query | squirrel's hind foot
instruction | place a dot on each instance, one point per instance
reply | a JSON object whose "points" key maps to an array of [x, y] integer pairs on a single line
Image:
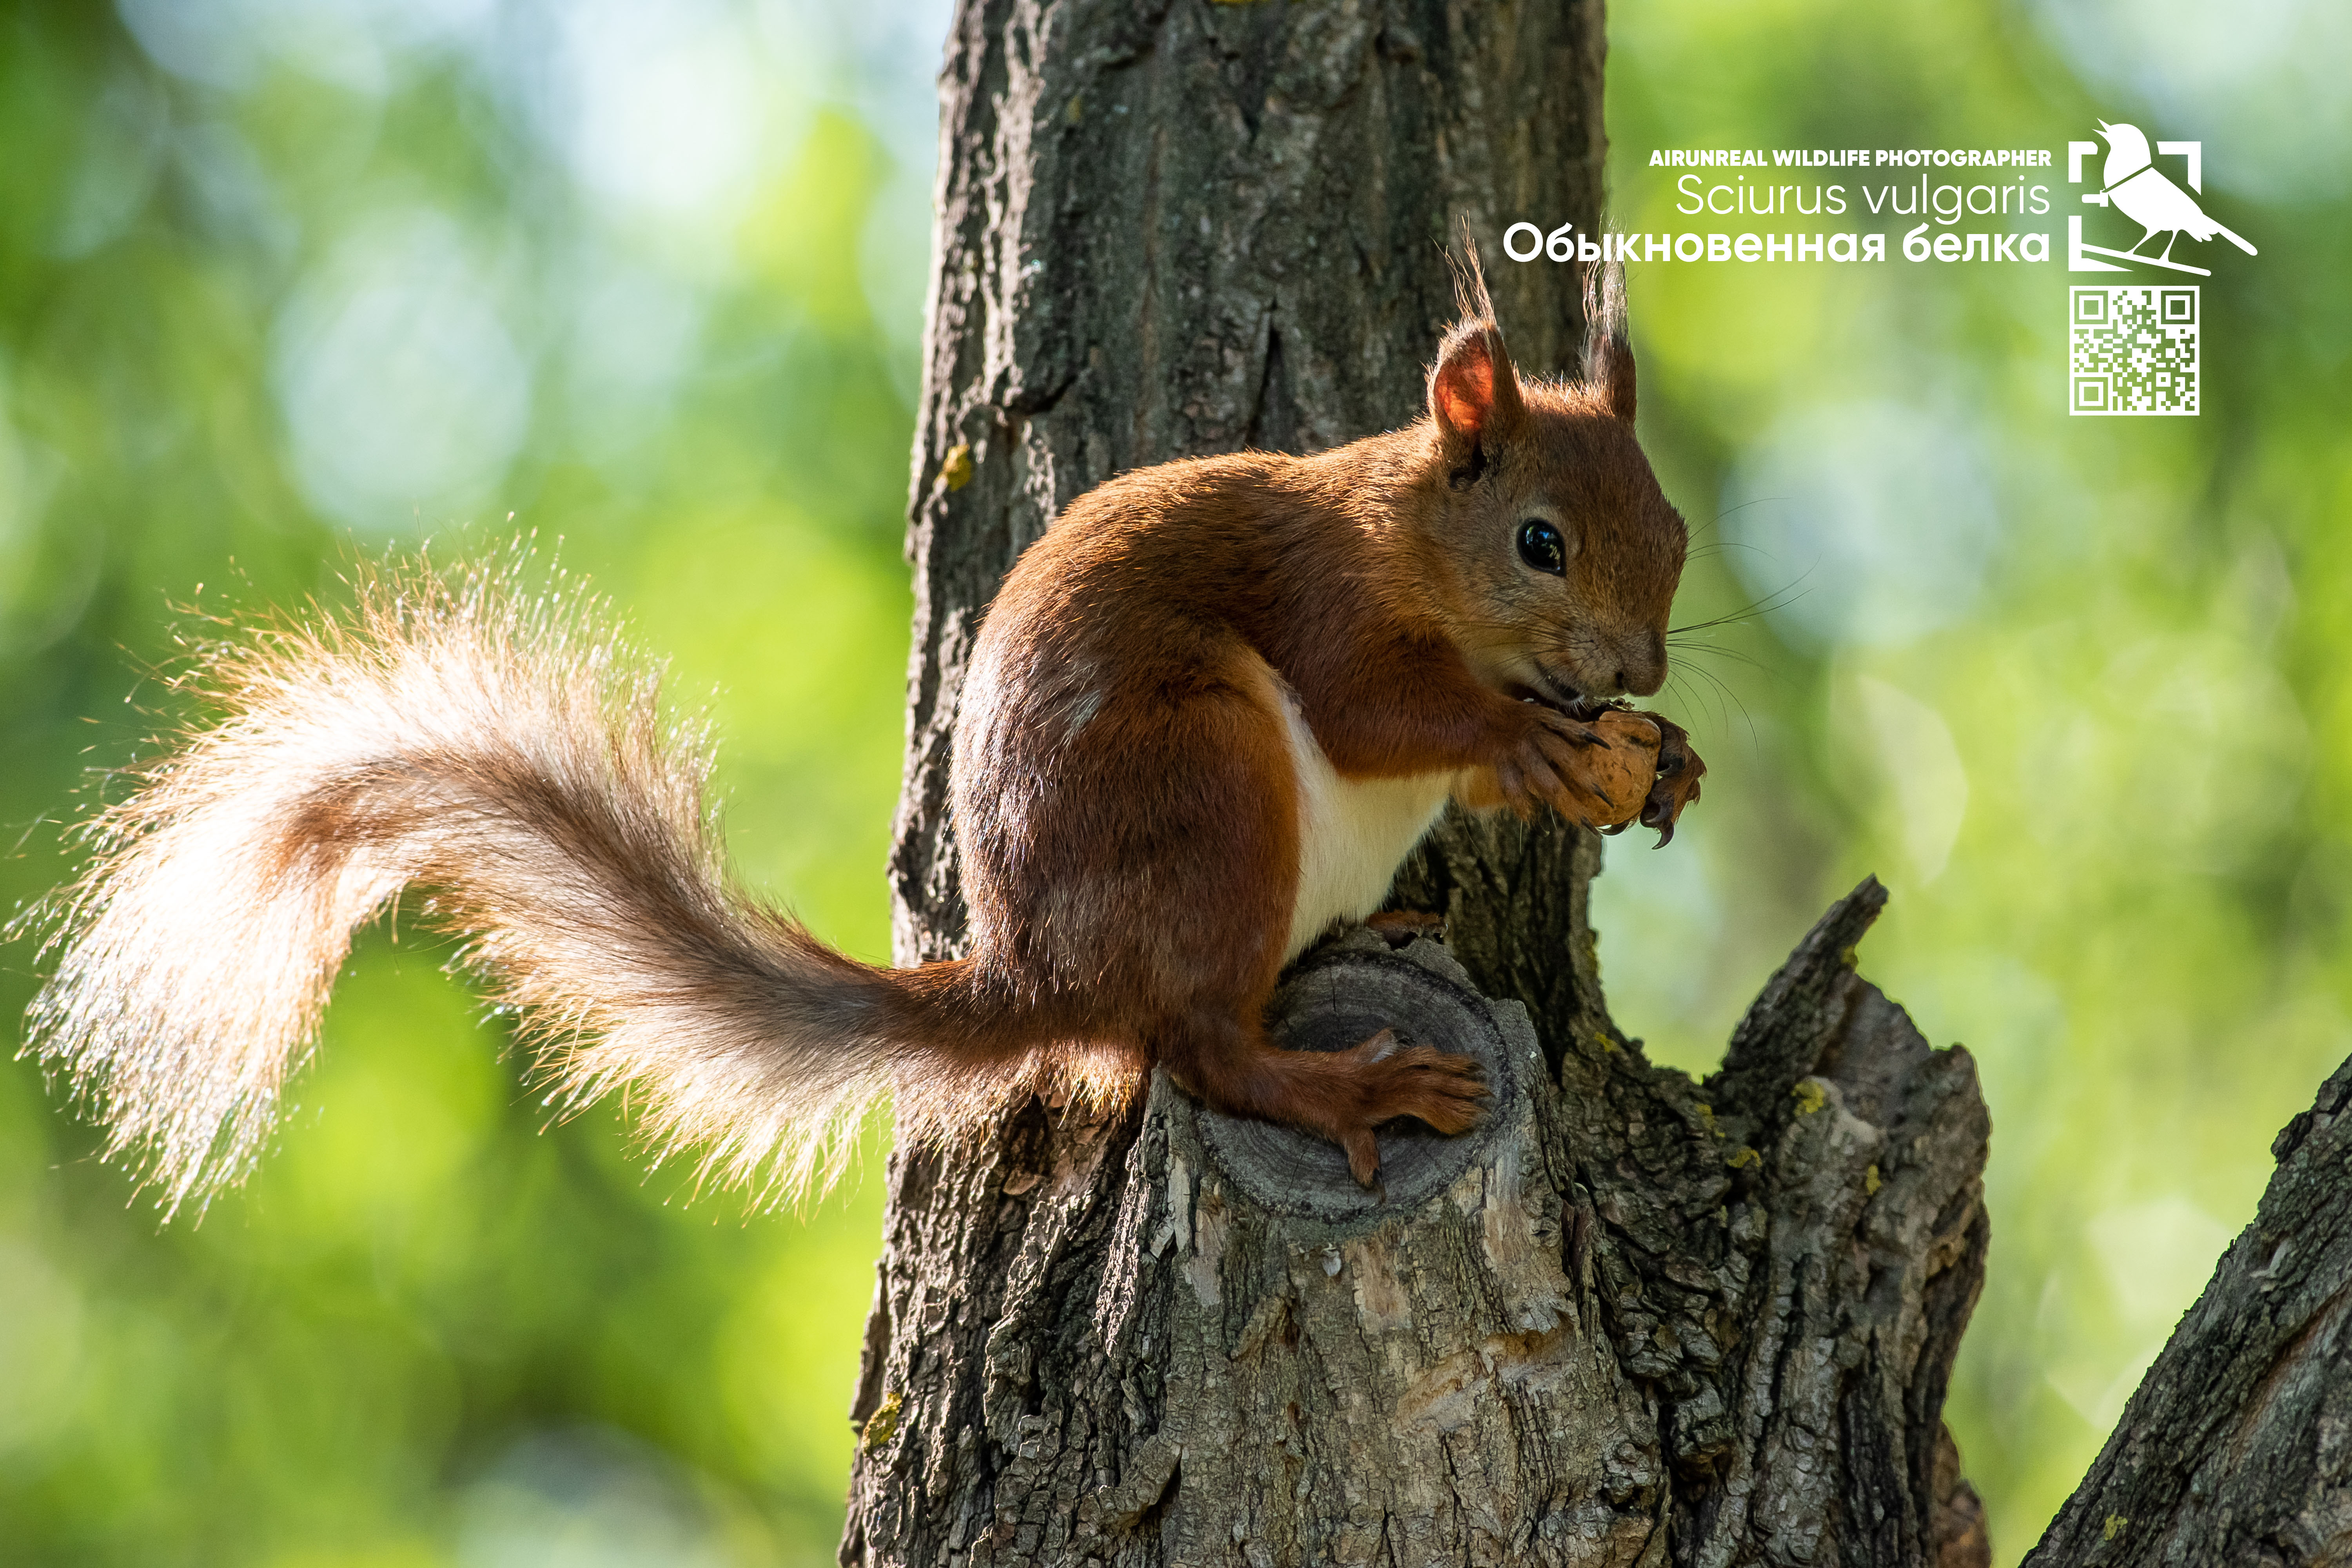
{"points": [[1391, 1080]]}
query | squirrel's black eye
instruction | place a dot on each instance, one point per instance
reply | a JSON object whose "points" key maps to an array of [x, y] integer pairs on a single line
{"points": [[1540, 547]]}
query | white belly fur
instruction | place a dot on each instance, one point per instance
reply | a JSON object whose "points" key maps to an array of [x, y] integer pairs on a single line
{"points": [[1353, 834]]}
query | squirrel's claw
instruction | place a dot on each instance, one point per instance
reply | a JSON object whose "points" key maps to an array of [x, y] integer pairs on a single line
{"points": [[1677, 785], [1401, 928]]}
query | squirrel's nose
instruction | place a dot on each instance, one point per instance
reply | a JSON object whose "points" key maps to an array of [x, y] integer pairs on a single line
{"points": [[1642, 665]]}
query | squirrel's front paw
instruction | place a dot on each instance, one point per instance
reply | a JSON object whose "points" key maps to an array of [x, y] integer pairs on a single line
{"points": [[1675, 783], [1599, 774], [1545, 766]]}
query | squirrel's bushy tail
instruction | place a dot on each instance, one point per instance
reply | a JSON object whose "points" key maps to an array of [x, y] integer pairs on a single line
{"points": [[490, 745]]}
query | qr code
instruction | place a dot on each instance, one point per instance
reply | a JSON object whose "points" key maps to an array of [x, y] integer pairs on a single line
{"points": [[2132, 351]]}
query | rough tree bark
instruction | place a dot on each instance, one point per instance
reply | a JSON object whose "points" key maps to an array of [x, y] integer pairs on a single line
{"points": [[2237, 1447], [1635, 1320]]}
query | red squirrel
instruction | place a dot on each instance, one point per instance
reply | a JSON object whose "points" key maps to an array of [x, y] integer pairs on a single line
{"points": [[1208, 715]]}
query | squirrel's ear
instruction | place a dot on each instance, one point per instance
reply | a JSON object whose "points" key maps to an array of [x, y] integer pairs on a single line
{"points": [[1473, 393], [1608, 351]]}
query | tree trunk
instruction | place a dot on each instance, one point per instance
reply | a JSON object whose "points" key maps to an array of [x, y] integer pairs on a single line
{"points": [[2237, 1447], [1631, 1321]]}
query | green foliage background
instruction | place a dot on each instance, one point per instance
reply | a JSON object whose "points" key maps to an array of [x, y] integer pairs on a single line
{"points": [[283, 282]]}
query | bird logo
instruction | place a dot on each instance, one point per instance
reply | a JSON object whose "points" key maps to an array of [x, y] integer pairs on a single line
{"points": [[2133, 185]]}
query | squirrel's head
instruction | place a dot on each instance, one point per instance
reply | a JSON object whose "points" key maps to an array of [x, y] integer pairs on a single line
{"points": [[1555, 554]]}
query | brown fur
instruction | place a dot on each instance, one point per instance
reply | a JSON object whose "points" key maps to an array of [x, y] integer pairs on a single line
{"points": [[1127, 802]]}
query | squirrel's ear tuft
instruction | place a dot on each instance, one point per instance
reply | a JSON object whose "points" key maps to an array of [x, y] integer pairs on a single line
{"points": [[1608, 353], [1473, 393]]}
